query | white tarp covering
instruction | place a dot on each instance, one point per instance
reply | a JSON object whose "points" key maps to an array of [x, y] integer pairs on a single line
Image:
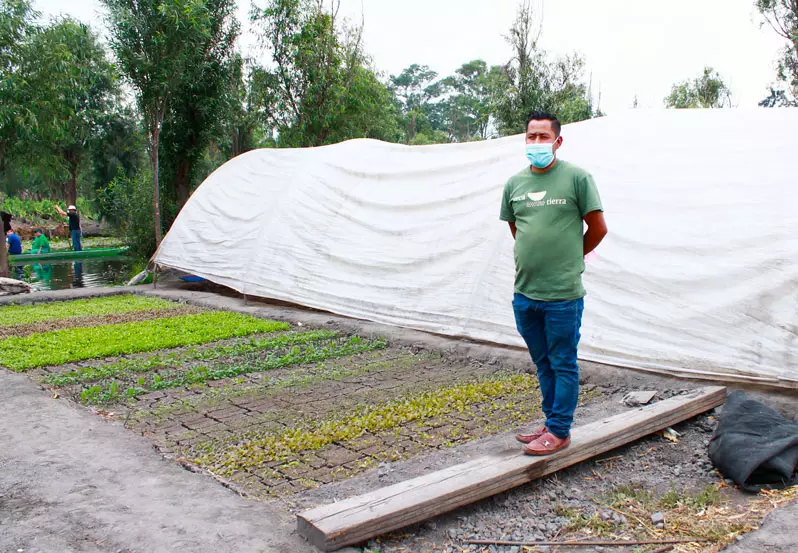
{"points": [[698, 275]]}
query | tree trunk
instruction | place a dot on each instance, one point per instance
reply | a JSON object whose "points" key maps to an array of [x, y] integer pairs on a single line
{"points": [[236, 149], [181, 183], [156, 186], [4, 272]]}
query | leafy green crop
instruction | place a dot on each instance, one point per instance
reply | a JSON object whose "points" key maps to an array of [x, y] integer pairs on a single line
{"points": [[372, 418], [50, 311], [175, 360], [76, 344], [107, 391]]}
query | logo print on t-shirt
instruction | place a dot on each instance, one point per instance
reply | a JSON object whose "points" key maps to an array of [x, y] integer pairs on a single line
{"points": [[536, 196]]}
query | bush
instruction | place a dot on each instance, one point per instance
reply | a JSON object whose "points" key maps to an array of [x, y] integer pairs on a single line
{"points": [[127, 204], [36, 211]]}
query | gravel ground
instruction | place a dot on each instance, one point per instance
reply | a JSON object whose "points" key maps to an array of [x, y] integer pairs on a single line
{"points": [[535, 511]]}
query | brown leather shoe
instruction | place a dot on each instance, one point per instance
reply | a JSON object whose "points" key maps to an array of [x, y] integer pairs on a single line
{"points": [[547, 444], [528, 438]]}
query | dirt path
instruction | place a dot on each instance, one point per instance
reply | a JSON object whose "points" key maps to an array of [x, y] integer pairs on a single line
{"points": [[72, 482], [778, 534]]}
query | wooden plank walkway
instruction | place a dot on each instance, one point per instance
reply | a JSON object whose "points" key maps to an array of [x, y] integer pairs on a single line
{"points": [[358, 519]]}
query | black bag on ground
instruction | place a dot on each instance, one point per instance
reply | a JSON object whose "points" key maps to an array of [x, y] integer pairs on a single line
{"points": [[754, 445]]}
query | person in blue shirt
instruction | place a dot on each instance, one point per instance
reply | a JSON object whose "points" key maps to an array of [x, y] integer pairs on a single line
{"points": [[14, 243]]}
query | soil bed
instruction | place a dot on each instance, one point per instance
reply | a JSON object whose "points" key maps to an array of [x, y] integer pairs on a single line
{"points": [[317, 410]]}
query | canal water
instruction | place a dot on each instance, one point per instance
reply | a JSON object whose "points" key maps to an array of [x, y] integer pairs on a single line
{"points": [[75, 273]]}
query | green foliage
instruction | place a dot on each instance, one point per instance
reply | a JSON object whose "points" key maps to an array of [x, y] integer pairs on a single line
{"points": [[39, 211], [706, 91], [117, 149], [126, 367], [531, 81], [156, 43], [76, 344], [708, 496], [51, 311], [297, 378], [782, 16], [475, 87], [59, 244], [127, 204], [321, 90], [16, 119], [311, 353], [418, 97], [69, 84], [370, 418], [198, 103]]}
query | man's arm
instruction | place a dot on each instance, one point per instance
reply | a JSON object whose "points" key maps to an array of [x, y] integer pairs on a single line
{"points": [[596, 230], [60, 211], [512, 228]]}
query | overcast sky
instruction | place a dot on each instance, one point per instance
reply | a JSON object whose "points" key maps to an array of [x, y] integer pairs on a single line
{"points": [[631, 47]]}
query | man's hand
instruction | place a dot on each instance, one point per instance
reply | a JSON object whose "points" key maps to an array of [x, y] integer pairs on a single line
{"points": [[596, 230], [512, 228], [60, 211]]}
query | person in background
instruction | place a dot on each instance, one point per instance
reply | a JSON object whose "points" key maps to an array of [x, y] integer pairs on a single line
{"points": [[6, 217], [14, 244], [75, 231], [40, 244]]}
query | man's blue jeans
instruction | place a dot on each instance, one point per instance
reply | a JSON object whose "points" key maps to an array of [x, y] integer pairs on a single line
{"points": [[551, 332], [76, 240]]}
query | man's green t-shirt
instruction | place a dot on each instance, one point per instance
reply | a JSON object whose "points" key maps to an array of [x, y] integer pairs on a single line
{"points": [[547, 209], [40, 244]]}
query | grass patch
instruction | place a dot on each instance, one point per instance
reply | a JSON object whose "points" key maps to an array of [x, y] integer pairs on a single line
{"points": [[371, 418], [112, 305], [58, 244], [150, 363], [300, 378], [310, 353], [76, 344], [688, 514]]}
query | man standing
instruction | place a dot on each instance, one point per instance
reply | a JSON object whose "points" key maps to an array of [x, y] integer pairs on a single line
{"points": [[74, 225], [546, 205]]}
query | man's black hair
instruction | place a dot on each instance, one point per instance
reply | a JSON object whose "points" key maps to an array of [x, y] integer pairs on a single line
{"points": [[540, 115], [6, 217]]}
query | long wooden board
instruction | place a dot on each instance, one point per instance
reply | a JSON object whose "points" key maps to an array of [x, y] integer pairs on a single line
{"points": [[363, 517]]}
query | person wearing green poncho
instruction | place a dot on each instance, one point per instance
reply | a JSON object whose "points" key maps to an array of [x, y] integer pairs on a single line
{"points": [[40, 244]]}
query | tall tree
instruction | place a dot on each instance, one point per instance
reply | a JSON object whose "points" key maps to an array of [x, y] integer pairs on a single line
{"points": [[321, 82], [70, 86], [16, 119], [706, 91], [249, 104], [418, 92], [470, 105], [16, 22], [153, 41], [531, 81], [118, 148], [196, 109], [782, 16]]}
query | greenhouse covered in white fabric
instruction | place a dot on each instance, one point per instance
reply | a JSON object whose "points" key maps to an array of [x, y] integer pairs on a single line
{"points": [[697, 277]]}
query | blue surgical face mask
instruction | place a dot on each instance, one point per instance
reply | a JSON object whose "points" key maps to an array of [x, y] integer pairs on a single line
{"points": [[540, 155]]}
